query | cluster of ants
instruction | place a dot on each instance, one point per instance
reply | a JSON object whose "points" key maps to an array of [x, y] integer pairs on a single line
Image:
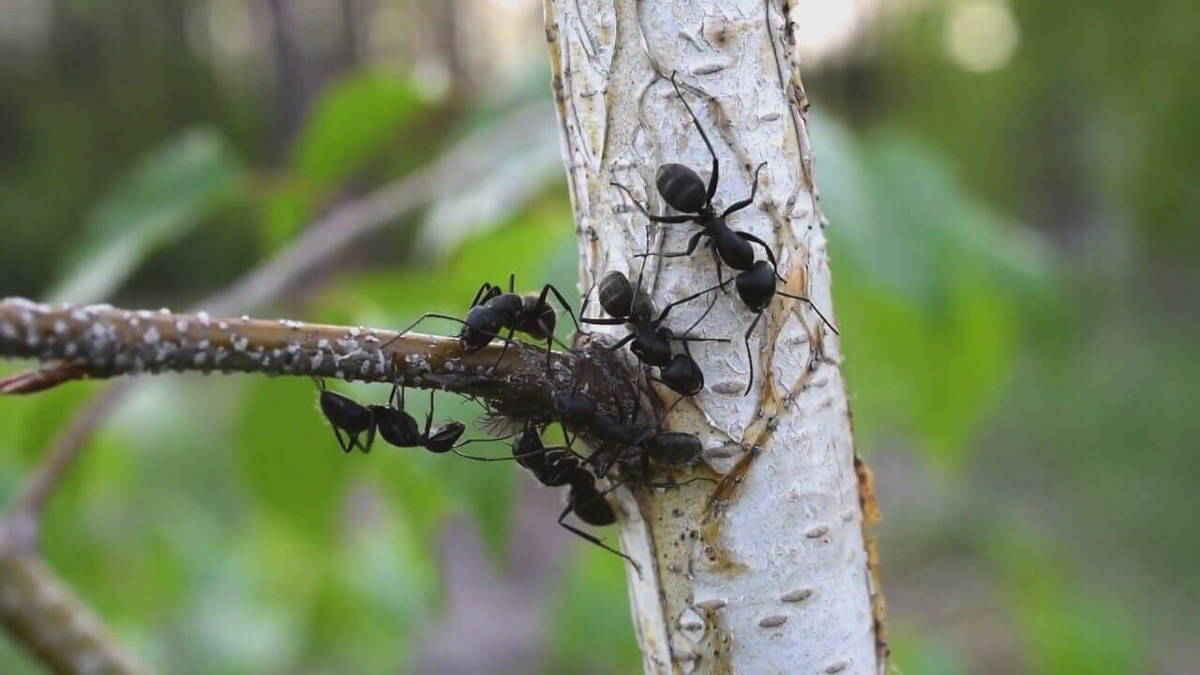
{"points": [[619, 440]]}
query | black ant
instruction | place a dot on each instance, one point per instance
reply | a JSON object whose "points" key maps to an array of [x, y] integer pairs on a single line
{"points": [[684, 190], [391, 421], [493, 310], [648, 339], [401, 430], [558, 466], [757, 287]]}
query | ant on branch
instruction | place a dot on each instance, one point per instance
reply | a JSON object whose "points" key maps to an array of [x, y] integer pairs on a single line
{"points": [[391, 421], [648, 339], [493, 311], [684, 190]]}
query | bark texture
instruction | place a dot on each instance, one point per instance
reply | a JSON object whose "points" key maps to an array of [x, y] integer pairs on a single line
{"points": [[772, 571]]}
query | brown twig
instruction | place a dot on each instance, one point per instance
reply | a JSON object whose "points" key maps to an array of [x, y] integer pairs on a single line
{"points": [[43, 615], [108, 342]]}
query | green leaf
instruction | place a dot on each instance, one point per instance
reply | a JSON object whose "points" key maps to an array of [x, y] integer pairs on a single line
{"points": [[352, 123], [163, 198]]}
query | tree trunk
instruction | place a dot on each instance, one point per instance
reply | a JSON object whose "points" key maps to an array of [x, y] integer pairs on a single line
{"points": [[771, 571]]}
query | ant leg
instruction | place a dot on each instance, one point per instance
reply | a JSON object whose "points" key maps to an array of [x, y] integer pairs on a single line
{"points": [[427, 315], [429, 416], [693, 244], [673, 484], [716, 166], [370, 436], [483, 294], [814, 308], [653, 218], [507, 343], [689, 338], [624, 341], [601, 321], [592, 538], [550, 288], [708, 309], [749, 355], [341, 442], [667, 310], [738, 206], [512, 282]]}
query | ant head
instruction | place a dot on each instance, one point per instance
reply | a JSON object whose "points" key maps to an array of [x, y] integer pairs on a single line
{"points": [[616, 295], [682, 188], [442, 438], [683, 375], [481, 325], [756, 286]]}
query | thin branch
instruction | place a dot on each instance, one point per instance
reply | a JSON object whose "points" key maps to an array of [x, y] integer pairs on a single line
{"points": [[43, 615], [109, 342]]}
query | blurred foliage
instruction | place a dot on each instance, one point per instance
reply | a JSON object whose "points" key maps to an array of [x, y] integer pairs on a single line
{"points": [[215, 528]]}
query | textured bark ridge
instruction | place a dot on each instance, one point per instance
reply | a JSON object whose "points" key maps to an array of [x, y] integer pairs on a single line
{"points": [[769, 572]]}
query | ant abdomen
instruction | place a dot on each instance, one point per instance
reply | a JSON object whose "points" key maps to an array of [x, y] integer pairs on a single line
{"points": [[681, 187], [616, 294]]}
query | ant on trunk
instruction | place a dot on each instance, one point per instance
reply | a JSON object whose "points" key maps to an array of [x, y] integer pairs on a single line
{"points": [[684, 190], [648, 339]]}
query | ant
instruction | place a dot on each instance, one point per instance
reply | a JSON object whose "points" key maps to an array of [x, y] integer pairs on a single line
{"points": [[493, 310], [684, 190], [757, 287], [558, 466], [391, 421], [400, 428], [648, 339]]}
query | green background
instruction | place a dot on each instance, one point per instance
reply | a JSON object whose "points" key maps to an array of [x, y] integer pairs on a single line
{"points": [[1013, 254]]}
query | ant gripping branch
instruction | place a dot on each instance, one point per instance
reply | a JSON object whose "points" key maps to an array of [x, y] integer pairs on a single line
{"points": [[648, 339], [557, 466], [494, 311], [391, 421]]}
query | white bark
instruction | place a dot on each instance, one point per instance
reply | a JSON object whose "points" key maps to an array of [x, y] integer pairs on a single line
{"points": [[769, 573]]}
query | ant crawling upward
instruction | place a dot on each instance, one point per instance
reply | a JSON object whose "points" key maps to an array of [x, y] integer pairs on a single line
{"points": [[391, 421], [684, 190], [493, 311]]}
